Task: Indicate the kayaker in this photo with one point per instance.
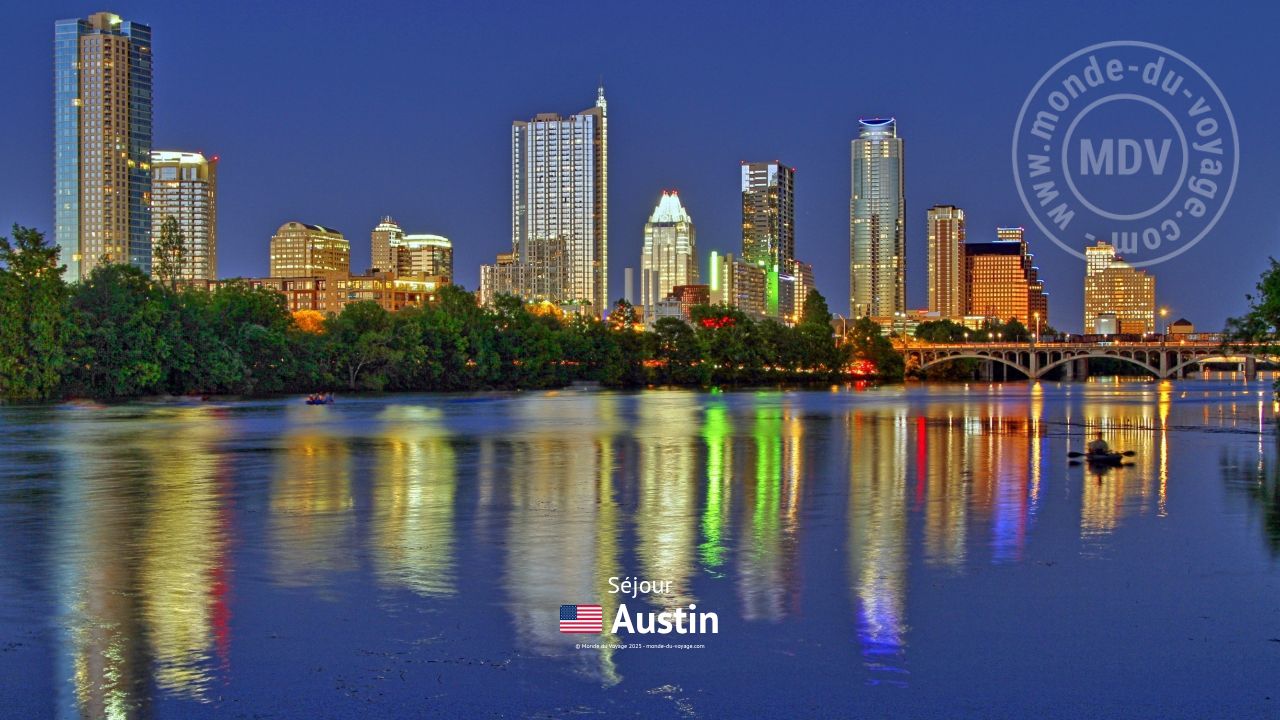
(1098, 446)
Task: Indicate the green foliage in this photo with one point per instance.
(168, 256)
(868, 343)
(941, 331)
(34, 328)
(120, 334)
(126, 334)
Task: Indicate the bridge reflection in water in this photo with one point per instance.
(806, 512)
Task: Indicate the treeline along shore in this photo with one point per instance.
(120, 334)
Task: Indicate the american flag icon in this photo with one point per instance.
(581, 619)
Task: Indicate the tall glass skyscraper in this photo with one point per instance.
(669, 257)
(768, 215)
(102, 142)
(560, 208)
(184, 186)
(877, 222)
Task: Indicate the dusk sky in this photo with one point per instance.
(337, 113)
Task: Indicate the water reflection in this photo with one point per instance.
(143, 569)
(1257, 479)
(878, 540)
(413, 500)
(772, 509)
(312, 526)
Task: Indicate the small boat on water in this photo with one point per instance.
(1111, 458)
(320, 399)
(1107, 458)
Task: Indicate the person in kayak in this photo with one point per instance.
(1098, 446)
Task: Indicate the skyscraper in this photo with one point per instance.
(386, 235)
(1113, 286)
(184, 186)
(560, 208)
(946, 261)
(102, 142)
(298, 250)
(768, 215)
(877, 222)
(425, 255)
(669, 256)
(1001, 281)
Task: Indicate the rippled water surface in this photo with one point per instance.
(904, 552)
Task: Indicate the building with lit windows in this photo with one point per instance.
(738, 284)
(768, 214)
(386, 235)
(560, 208)
(102, 142)
(330, 292)
(392, 250)
(803, 274)
(877, 222)
(1002, 282)
(946, 261)
(1112, 285)
(669, 256)
(298, 250)
(689, 297)
(184, 186)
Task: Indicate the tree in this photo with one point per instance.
(169, 255)
(361, 344)
(941, 331)
(309, 321)
(679, 353)
(34, 327)
(815, 311)
(124, 346)
(732, 344)
(1261, 324)
(869, 343)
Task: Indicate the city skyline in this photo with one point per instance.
(655, 146)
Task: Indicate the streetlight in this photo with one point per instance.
(1037, 317)
(1164, 315)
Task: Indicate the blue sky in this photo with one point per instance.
(336, 114)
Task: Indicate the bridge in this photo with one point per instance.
(1166, 358)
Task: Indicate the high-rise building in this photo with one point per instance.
(1113, 286)
(669, 256)
(385, 236)
(102, 142)
(803, 273)
(877, 222)
(425, 255)
(560, 208)
(946, 261)
(1001, 281)
(768, 214)
(391, 250)
(184, 186)
(738, 284)
(298, 250)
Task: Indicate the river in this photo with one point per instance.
(908, 551)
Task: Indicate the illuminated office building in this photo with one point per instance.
(298, 249)
(386, 235)
(1001, 281)
(1112, 285)
(877, 222)
(102, 142)
(560, 208)
(669, 256)
(738, 284)
(946, 261)
(391, 250)
(184, 186)
(768, 214)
